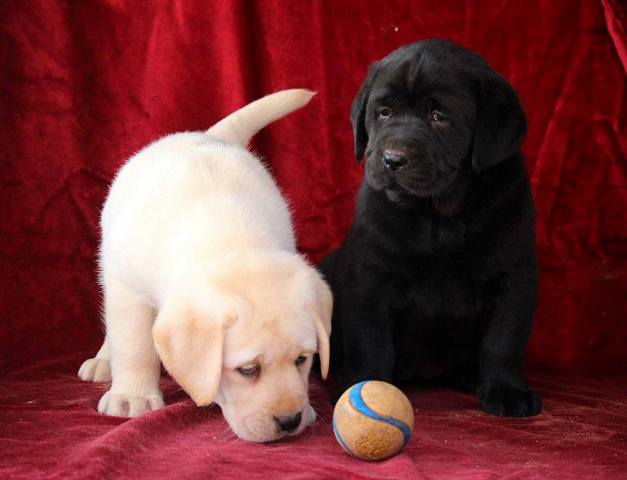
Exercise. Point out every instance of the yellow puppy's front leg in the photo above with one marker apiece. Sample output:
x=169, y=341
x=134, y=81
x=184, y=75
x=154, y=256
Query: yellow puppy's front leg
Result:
x=97, y=369
x=135, y=366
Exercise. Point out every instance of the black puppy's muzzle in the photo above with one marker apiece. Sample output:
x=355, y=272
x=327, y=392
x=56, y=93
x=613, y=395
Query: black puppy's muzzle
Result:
x=394, y=159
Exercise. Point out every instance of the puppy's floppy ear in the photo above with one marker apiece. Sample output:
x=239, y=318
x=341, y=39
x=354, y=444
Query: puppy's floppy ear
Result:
x=321, y=307
x=189, y=338
x=358, y=114
x=501, y=124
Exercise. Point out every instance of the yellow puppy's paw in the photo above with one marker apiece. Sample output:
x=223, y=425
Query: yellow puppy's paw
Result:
x=123, y=405
x=95, y=370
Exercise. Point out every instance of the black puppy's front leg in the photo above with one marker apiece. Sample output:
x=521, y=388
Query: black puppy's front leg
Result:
x=366, y=344
x=502, y=389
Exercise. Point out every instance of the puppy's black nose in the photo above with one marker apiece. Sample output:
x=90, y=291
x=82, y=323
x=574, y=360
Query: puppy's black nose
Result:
x=393, y=159
x=289, y=424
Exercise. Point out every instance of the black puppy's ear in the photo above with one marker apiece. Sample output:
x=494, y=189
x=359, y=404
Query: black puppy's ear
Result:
x=501, y=124
x=358, y=114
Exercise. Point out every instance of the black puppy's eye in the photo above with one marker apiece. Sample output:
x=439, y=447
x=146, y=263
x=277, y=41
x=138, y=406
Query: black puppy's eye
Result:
x=251, y=371
x=300, y=360
x=437, y=117
x=385, y=112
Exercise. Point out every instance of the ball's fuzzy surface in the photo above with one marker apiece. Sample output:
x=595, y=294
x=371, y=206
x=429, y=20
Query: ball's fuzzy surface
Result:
x=373, y=420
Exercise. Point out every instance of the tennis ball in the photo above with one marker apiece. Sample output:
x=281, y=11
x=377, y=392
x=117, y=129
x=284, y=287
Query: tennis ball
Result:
x=373, y=420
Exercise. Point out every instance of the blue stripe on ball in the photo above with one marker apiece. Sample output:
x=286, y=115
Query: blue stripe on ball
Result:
x=341, y=440
x=357, y=401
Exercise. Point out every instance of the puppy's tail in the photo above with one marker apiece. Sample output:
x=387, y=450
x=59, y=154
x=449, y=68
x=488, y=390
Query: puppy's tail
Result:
x=240, y=126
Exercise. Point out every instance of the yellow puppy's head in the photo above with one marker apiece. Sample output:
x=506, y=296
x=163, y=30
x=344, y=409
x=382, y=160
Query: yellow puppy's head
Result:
x=244, y=337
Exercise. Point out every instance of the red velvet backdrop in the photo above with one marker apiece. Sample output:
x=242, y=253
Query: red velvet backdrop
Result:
x=86, y=84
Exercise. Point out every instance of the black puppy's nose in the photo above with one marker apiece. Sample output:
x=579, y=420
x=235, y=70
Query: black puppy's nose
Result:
x=393, y=159
x=289, y=424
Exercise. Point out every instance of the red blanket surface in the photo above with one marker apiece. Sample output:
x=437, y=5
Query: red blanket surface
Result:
x=85, y=84
x=52, y=430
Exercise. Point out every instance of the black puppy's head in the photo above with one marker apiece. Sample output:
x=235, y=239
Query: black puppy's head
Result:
x=430, y=110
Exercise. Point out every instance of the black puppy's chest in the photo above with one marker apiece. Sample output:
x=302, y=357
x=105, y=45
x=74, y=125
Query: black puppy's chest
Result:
x=443, y=292
x=437, y=300
x=436, y=322
x=435, y=237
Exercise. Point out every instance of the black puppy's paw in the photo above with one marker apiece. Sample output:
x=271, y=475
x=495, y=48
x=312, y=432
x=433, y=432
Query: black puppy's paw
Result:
x=511, y=402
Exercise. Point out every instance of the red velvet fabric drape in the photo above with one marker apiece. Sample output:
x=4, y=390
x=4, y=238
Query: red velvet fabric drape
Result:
x=84, y=85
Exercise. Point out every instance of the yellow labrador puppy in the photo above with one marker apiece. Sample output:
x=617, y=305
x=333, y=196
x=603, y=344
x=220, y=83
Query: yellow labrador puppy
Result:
x=200, y=271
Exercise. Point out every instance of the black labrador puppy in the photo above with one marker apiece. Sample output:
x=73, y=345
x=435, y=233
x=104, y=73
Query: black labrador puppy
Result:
x=437, y=277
